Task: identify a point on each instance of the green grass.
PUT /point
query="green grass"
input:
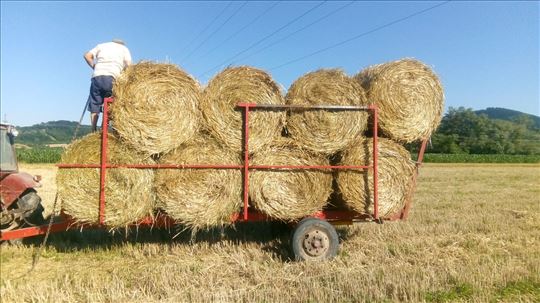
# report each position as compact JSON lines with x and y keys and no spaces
{"x":39,"y":154}
{"x":52,"y":155}
{"x":458,"y":292}
{"x":514,"y":290}
{"x":510,"y":292}
{"x":467,"y":158}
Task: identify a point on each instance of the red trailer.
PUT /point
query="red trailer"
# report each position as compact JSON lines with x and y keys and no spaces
{"x":314,"y":237}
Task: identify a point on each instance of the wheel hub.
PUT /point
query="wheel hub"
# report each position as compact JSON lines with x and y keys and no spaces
{"x":316,"y":243}
{"x":8,"y":222}
{"x":5,"y":218}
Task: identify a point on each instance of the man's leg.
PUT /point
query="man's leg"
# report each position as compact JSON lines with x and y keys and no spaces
{"x":105,"y":84}
{"x":93,"y":119}
{"x":94,"y":103}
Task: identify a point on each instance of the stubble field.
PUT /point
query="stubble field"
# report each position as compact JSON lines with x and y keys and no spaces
{"x":473,"y":236}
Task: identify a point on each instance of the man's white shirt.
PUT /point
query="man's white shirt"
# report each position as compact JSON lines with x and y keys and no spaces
{"x":111,"y":58}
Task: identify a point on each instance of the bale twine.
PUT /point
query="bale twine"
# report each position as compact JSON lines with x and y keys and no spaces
{"x":326,"y":131}
{"x":395,"y":174}
{"x":409,"y":96}
{"x":289,"y":194}
{"x":200,"y":198}
{"x":225,"y":121}
{"x":129,"y":197}
{"x":155,"y":107}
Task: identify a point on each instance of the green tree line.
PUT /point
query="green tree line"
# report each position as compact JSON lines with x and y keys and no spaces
{"x":463,"y":136}
{"x":462,"y":131}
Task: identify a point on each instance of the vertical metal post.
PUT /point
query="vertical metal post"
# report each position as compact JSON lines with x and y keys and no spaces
{"x":103,"y":168}
{"x":246,"y":161}
{"x":375,"y":162}
{"x":408,"y":200}
{"x":420,"y":157}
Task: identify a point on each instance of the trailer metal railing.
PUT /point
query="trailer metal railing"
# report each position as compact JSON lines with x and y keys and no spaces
{"x":161,"y":220}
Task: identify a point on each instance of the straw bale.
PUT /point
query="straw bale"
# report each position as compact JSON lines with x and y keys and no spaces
{"x":409,"y":96}
{"x":326,"y":131}
{"x":395,"y":174}
{"x":155,"y":107}
{"x":200,"y":198}
{"x":289,"y":194}
{"x":225,"y":121}
{"x":129,"y":197}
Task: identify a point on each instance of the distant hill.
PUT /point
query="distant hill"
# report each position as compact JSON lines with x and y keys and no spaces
{"x":508,"y":115}
{"x":52,"y":132}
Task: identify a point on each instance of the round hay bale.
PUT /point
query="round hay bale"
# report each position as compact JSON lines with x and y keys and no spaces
{"x":155,"y":107}
{"x":128,"y":194}
{"x":409,"y":96}
{"x":200,"y":198}
{"x":326,"y":131}
{"x":395,"y":174}
{"x":225,"y":121}
{"x":289,"y":194}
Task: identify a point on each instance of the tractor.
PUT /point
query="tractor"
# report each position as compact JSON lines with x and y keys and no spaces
{"x":20,"y":205}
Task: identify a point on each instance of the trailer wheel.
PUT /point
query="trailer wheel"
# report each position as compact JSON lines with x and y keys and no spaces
{"x":314,"y":240}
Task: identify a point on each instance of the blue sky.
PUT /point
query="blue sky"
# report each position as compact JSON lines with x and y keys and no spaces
{"x":486,"y":53}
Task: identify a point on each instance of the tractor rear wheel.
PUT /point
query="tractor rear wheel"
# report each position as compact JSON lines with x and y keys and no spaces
{"x":31,"y":203}
{"x":27,"y":211}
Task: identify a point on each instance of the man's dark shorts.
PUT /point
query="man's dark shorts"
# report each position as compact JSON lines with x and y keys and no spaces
{"x":100,"y":88}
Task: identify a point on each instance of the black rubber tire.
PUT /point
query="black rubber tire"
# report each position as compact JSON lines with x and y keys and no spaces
{"x":310,"y":225}
{"x":36,"y":217}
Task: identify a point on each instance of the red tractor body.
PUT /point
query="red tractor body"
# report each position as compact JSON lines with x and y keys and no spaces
{"x":14,"y":184}
{"x":19,"y":203}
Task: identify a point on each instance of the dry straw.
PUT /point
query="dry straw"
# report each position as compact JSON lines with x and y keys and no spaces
{"x":200,"y":198}
{"x":225,"y":120}
{"x":324,"y":131}
{"x":289,"y":194}
{"x":129,"y":197}
{"x":395,"y":174}
{"x":409,"y":95}
{"x":155,"y":107}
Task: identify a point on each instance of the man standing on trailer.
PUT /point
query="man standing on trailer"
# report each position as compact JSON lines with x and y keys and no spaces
{"x":107,"y":60}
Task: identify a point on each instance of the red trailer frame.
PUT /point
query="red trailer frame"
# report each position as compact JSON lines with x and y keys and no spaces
{"x":246,"y":215}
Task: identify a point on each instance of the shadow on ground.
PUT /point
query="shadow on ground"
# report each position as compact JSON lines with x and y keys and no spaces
{"x":274,"y":237}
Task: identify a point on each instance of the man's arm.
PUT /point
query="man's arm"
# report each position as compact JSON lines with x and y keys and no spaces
{"x":89,"y":57}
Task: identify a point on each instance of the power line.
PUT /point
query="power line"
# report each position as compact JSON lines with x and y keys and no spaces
{"x":207,"y":27}
{"x":242,"y":29}
{"x":215,"y":31}
{"x":264,"y":38}
{"x":360,"y":35}
{"x":297,"y":31}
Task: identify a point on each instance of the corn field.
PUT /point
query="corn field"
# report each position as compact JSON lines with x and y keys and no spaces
{"x":468,"y":158}
{"x":53,"y":154}
{"x":39,"y":154}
